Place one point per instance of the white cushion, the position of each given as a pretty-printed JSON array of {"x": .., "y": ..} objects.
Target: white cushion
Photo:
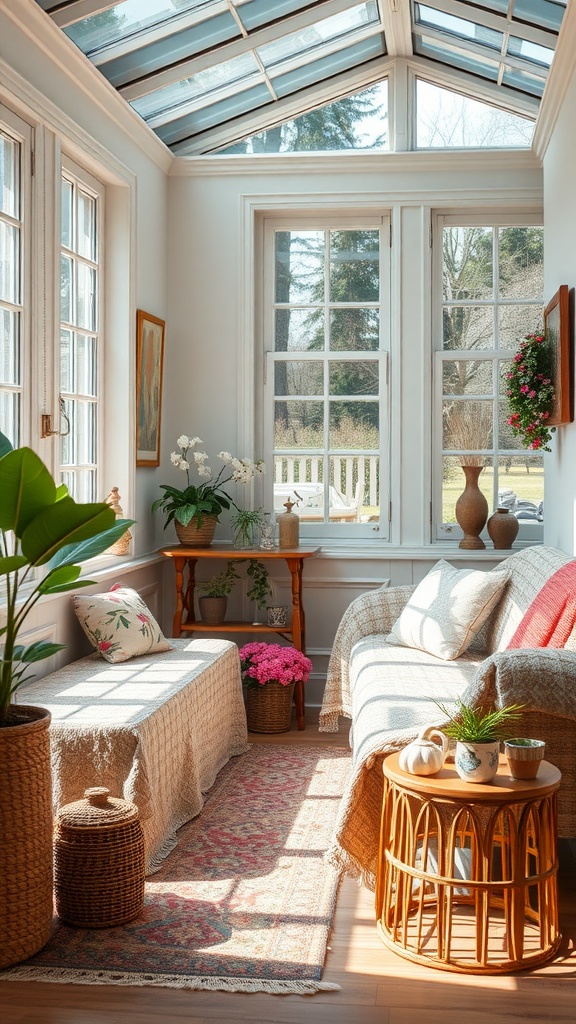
[
  {"x": 447, "y": 609},
  {"x": 119, "y": 624}
]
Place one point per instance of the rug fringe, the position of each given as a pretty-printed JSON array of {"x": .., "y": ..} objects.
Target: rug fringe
[{"x": 65, "y": 975}]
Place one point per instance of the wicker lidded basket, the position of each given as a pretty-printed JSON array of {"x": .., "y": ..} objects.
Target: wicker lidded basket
[
  {"x": 269, "y": 707},
  {"x": 98, "y": 861}
]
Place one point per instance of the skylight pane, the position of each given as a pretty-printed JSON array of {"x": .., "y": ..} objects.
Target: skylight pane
[
  {"x": 256, "y": 13},
  {"x": 323, "y": 34},
  {"x": 357, "y": 122},
  {"x": 215, "y": 114},
  {"x": 459, "y": 27},
  {"x": 203, "y": 84},
  {"x": 123, "y": 20},
  {"x": 530, "y": 51},
  {"x": 517, "y": 79},
  {"x": 540, "y": 12},
  {"x": 456, "y": 57},
  {"x": 325, "y": 67},
  {"x": 448, "y": 120}
]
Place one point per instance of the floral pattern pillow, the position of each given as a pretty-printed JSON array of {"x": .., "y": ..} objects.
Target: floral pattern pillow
[{"x": 119, "y": 624}]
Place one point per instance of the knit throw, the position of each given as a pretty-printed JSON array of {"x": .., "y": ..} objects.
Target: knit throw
[{"x": 551, "y": 617}]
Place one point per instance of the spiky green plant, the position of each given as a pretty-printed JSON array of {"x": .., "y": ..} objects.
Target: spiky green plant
[{"x": 479, "y": 724}]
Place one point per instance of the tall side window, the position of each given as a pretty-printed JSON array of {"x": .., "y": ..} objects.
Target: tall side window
[
  {"x": 15, "y": 137},
  {"x": 489, "y": 290},
  {"x": 326, "y": 340},
  {"x": 80, "y": 330}
]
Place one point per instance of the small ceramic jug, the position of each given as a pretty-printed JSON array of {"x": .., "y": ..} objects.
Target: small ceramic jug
[{"x": 424, "y": 756}]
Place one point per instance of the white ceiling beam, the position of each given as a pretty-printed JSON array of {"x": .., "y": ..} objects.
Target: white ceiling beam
[{"x": 397, "y": 21}]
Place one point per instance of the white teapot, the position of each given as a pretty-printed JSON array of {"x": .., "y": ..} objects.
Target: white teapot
[{"x": 424, "y": 756}]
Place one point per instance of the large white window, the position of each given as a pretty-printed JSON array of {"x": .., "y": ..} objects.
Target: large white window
[
  {"x": 15, "y": 137},
  {"x": 489, "y": 295},
  {"x": 80, "y": 289},
  {"x": 326, "y": 339}
]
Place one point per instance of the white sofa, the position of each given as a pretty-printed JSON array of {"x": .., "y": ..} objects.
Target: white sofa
[{"x": 388, "y": 693}]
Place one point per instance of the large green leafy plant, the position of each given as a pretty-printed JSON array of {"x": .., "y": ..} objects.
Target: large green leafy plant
[{"x": 44, "y": 536}]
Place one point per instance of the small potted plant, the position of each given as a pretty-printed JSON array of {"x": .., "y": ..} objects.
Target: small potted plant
[
  {"x": 215, "y": 593},
  {"x": 478, "y": 731},
  {"x": 269, "y": 674},
  {"x": 246, "y": 525},
  {"x": 524, "y": 756},
  {"x": 260, "y": 589}
]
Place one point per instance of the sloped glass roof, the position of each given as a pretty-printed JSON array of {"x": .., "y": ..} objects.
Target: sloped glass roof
[{"x": 206, "y": 73}]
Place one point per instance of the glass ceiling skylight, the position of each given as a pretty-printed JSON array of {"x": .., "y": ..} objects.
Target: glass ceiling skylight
[{"x": 205, "y": 74}]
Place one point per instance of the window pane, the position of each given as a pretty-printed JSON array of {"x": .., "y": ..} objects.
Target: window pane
[
  {"x": 303, "y": 378},
  {"x": 354, "y": 265},
  {"x": 521, "y": 262},
  {"x": 66, "y": 289},
  {"x": 354, "y": 378},
  {"x": 299, "y": 266},
  {"x": 354, "y": 488},
  {"x": 521, "y": 486},
  {"x": 67, "y": 228},
  {"x": 86, "y": 297},
  {"x": 9, "y": 176},
  {"x": 86, "y": 226},
  {"x": 9, "y": 347},
  {"x": 299, "y": 330},
  {"x": 77, "y": 363},
  {"x": 10, "y": 416},
  {"x": 447, "y": 119},
  {"x": 354, "y": 330},
  {"x": 9, "y": 262},
  {"x": 468, "y": 327},
  {"x": 515, "y": 322},
  {"x": 467, "y": 263},
  {"x": 467, "y": 377},
  {"x": 78, "y": 447},
  {"x": 467, "y": 426},
  {"x": 81, "y": 483},
  {"x": 298, "y": 424},
  {"x": 354, "y": 425}
]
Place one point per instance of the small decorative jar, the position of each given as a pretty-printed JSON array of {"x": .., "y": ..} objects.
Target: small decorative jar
[
  {"x": 502, "y": 528},
  {"x": 288, "y": 527},
  {"x": 267, "y": 533}
]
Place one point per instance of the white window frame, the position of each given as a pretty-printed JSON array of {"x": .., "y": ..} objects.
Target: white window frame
[
  {"x": 74, "y": 172},
  {"x": 530, "y": 532},
  {"x": 326, "y": 221}
]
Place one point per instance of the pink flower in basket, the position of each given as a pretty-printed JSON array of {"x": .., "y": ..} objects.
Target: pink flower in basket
[{"x": 272, "y": 663}]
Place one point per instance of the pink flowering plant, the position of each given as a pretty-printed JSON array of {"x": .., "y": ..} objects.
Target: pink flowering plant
[
  {"x": 530, "y": 392},
  {"x": 272, "y": 663}
]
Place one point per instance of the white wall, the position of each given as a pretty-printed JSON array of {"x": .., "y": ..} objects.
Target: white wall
[{"x": 560, "y": 268}]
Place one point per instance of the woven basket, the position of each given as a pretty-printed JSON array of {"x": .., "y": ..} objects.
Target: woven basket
[
  {"x": 194, "y": 536},
  {"x": 98, "y": 861},
  {"x": 26, "y": 907},
  {"x": 269, "y": 707}
]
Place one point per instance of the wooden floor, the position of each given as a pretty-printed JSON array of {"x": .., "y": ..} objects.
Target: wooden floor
[{"x": 377, "y": 987}]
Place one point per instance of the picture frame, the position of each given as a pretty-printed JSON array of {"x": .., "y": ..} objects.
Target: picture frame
[
  {"x": 558, "y": 334},
  {"x": 149, "y": 367}
]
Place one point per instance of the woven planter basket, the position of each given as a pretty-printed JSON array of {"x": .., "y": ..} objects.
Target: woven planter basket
[
  {"x": 26, "y": 902},
  {"x": 194, "y": 536},
  {"x": 98, "y": 861},
  {"x": 269, "y": 707}
]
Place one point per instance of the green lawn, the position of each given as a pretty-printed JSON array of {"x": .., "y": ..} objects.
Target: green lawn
[{"x": 528, "y": 486}]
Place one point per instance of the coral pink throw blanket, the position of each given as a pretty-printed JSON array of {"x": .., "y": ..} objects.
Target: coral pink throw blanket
[{"x": 552, "y": 615}]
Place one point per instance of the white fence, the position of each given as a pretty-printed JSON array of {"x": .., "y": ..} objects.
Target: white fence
[{"x": 348, "y": 471}]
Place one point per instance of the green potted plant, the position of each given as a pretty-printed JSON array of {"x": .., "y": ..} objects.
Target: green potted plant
[
  {"x": 215, "y": 593},
  {"x": 195, "y": 509},
  {"x": 478, "y": 732},
  {"x": 44, "y": 536},
  {"x": 260, "y": 589},
  {"x": 246, "y": 524}
]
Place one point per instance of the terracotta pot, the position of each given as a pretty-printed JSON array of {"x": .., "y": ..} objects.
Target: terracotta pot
[
  {"x": 502, "y": 528},
  {"x": 471, "y": 509},
  {"x": 212, "y": 610},
  {"x": 524, "y": 757},
  {"x": 26, "y": 850},
  {"x": 194, "y": 536}
]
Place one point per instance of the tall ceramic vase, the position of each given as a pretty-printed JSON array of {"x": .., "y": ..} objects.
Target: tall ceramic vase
[{"x": 472, "y": 509}]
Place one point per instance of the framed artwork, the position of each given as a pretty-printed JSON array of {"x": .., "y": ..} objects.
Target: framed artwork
[
  {"x": 557, "y": 330},
  {"x": 149, "y": 360}
]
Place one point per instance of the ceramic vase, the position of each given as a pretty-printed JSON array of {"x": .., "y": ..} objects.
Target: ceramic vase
[
  {"x": 477, "y": 762},
  {"x": 502, "y": 528},
  {"x": 471, "y": 509}
]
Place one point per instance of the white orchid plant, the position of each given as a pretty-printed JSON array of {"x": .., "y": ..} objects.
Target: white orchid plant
[{"x": 209, "y": 498}]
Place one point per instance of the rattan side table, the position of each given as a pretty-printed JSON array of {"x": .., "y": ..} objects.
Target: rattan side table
[{"x": 466, "y": 875}]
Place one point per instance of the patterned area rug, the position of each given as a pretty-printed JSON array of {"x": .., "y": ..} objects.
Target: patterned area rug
[{"x": 245, "y": 901}]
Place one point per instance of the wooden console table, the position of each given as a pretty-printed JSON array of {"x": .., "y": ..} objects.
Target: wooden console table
[{"x": 185, "y": 620}]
